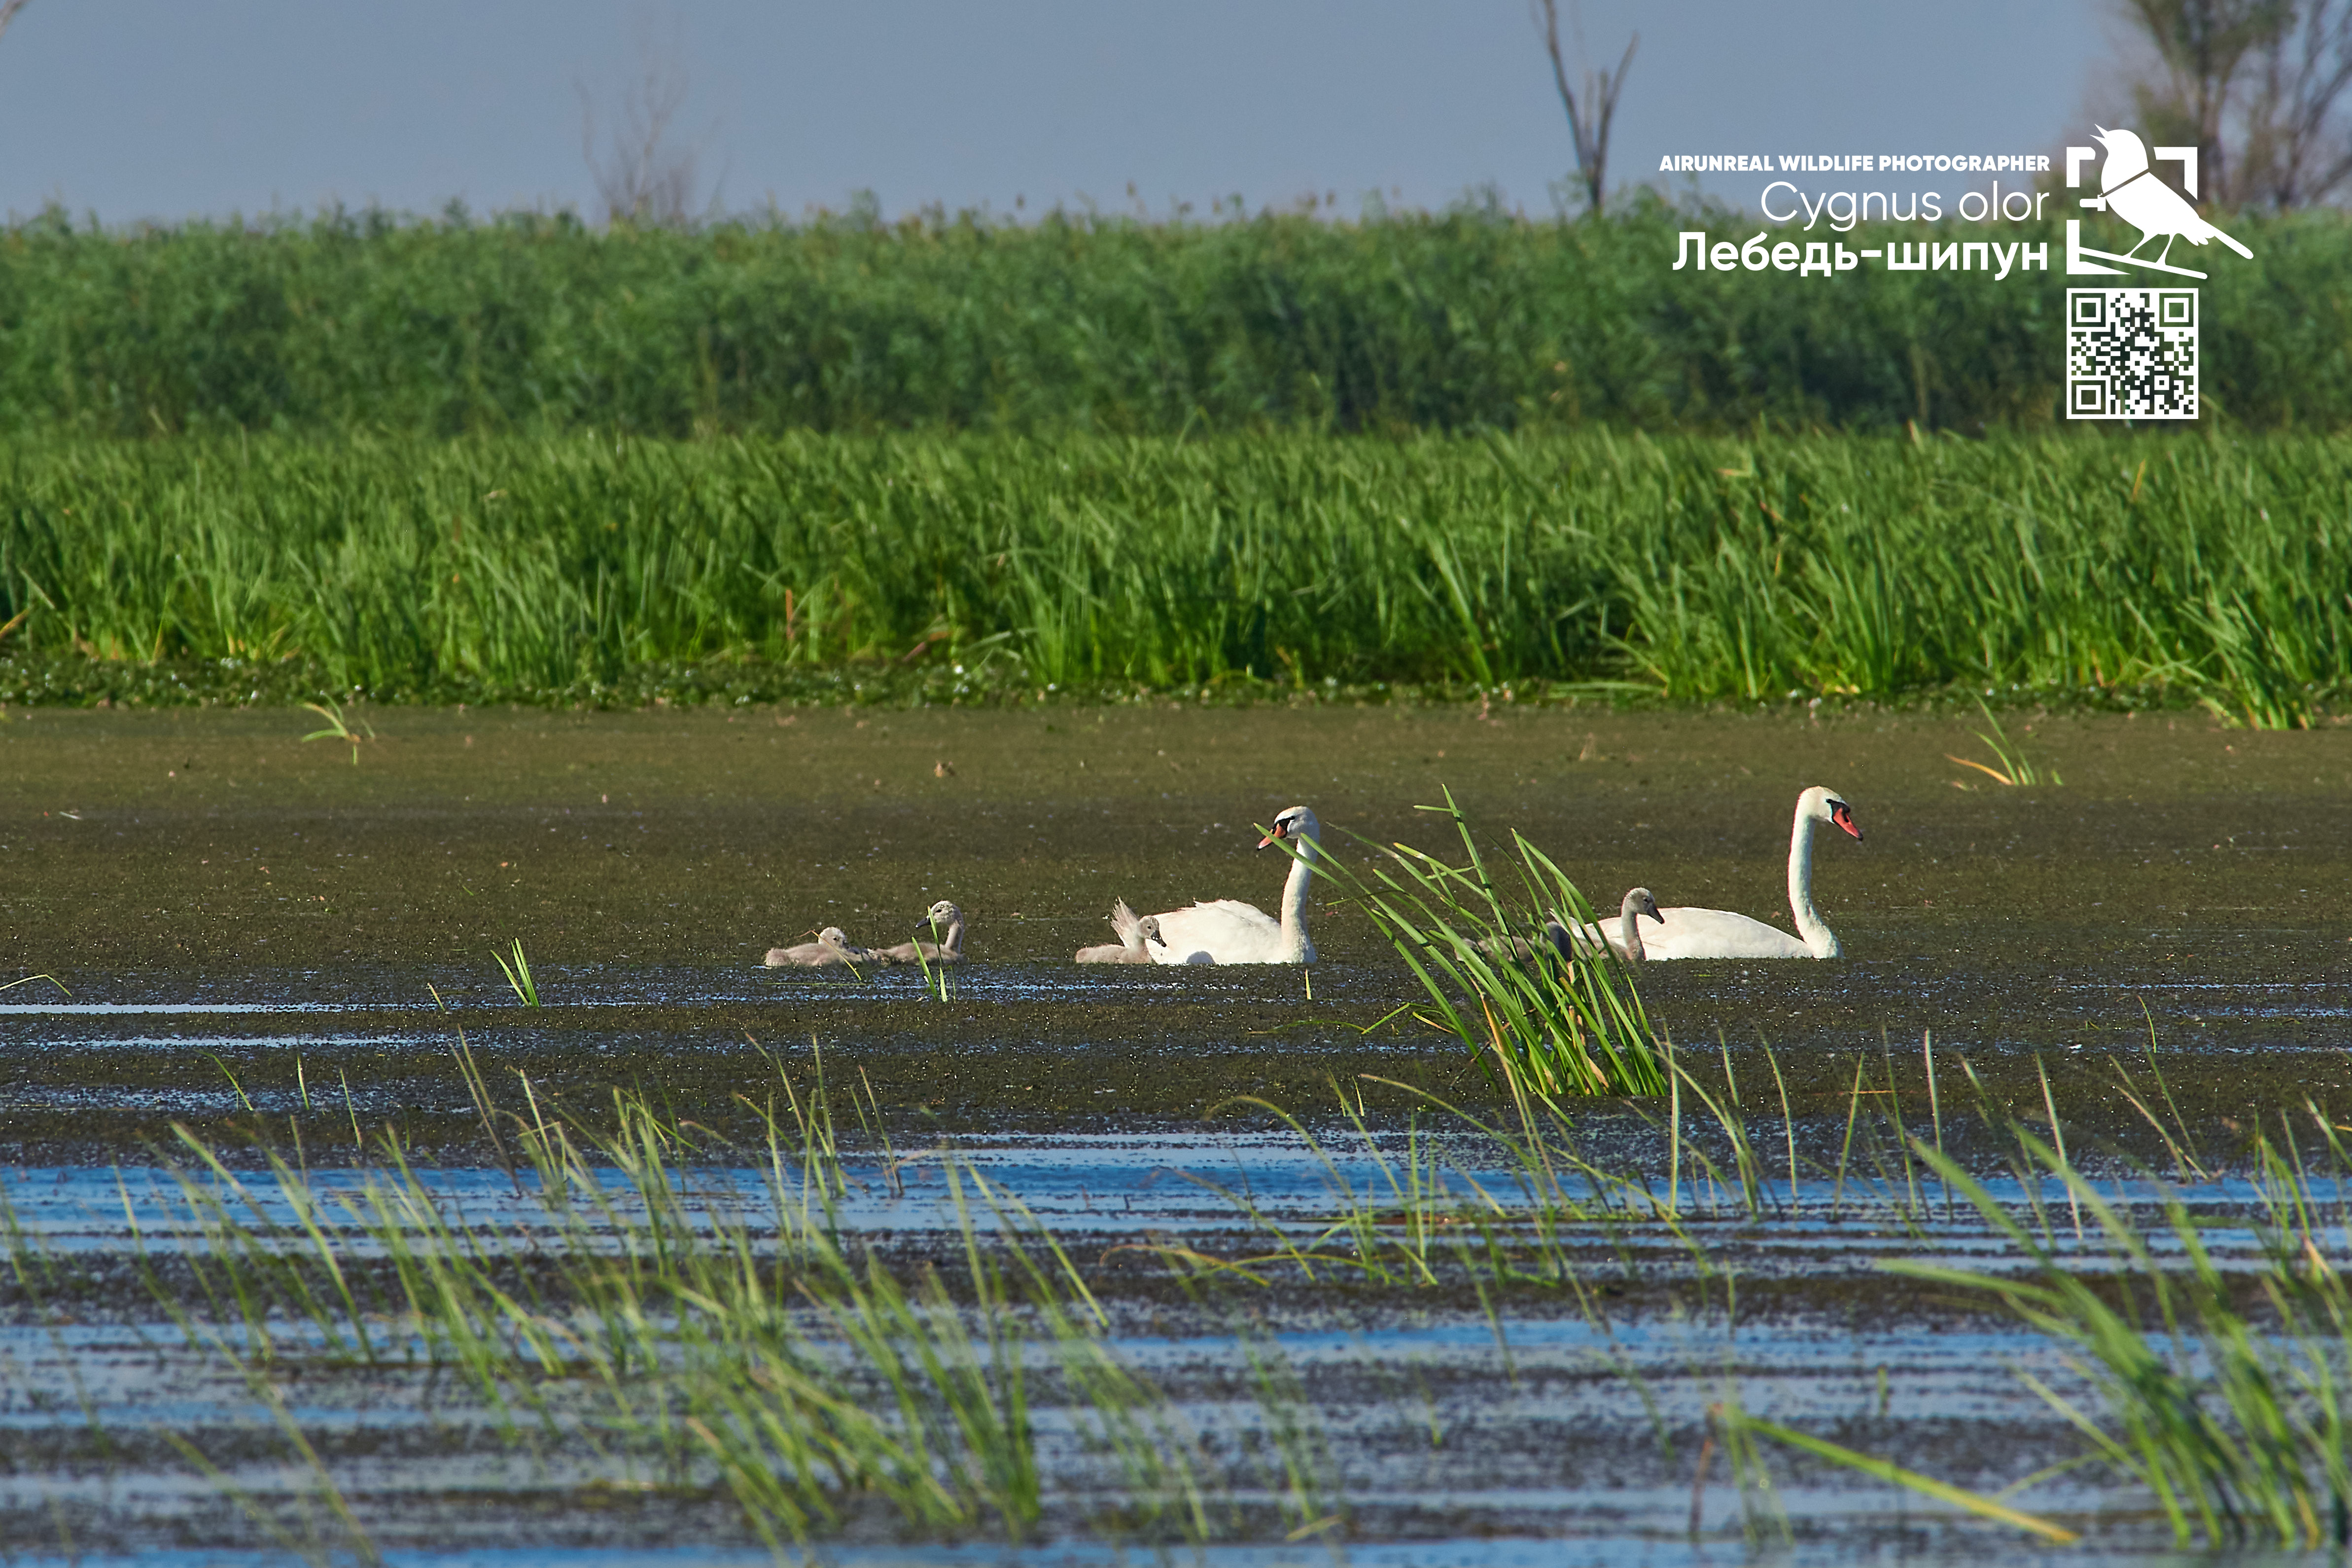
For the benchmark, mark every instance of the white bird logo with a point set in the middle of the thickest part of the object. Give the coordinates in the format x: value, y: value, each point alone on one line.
x: 2128, y: 189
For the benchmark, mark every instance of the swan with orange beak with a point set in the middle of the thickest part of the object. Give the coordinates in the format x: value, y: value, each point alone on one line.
x: 1227, y: 931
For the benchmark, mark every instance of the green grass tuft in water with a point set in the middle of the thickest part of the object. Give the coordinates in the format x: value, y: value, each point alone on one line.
x: 1558, y: 1017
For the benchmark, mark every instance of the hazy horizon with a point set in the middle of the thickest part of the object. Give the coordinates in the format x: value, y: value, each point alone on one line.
x: 273, y: 106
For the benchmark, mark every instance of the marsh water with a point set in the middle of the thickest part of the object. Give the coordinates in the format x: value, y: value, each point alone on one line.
x: 250, y: 934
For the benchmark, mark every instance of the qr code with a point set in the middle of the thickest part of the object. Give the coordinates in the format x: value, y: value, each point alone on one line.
x: 2131, y: 353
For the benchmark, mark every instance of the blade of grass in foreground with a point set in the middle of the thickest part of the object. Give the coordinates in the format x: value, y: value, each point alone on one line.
x: 1977, y: 1504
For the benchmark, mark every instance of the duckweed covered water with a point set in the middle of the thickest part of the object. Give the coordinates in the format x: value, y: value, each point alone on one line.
x: 270, y: 947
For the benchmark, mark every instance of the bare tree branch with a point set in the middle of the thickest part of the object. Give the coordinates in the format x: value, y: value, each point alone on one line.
x: 1589, y: 125
x: 2259, y: 85
x: 648, y: 175
x: 2202, y: 46
x: 2298, y: 149
x: 8, y: 9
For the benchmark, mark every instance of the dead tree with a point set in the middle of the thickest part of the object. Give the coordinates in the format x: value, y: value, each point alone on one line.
x: 2298, y: 151
x: 1589, y: 121
x: 2201, y: 46
x: 8, y: 9
x: 649, y: 171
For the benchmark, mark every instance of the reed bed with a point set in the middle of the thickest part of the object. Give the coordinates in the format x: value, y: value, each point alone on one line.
x: 695, y: 1335
x: 1561, y: 1017
x: 1079, y: 322
x: 2126, y: 570
x: 2223, y: 1392
x: 683, y: 1336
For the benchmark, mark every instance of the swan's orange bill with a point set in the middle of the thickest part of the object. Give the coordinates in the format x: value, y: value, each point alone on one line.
x: 1842, y: 815
x: 1274, y: 833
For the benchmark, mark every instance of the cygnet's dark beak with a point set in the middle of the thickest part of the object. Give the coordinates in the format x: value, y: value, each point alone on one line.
x: 1158, y: 938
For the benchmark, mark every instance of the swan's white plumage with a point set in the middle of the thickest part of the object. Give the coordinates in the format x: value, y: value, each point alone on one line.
x: 1227, y: 931
x: 1684, y: 932
x: 1688, y: 932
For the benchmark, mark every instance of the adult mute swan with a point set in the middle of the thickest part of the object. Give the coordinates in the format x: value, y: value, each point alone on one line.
x: 1687, y: 932
x: 1227, y: 931
x: 1134, y: 935
x: 832, y: 946
x: 947, y: 924
x: 1626, y: 939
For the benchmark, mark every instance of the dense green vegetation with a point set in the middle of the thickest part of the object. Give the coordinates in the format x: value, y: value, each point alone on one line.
x: 568, y: 567
x: 528, y: 324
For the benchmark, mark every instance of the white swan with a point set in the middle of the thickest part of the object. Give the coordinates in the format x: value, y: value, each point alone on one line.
x: 946, y: 924
x: 1227, y: 931
x: 1626, y: 939
x: 832, y: 946
x: 1134, y: 934
x: 1687, y: 932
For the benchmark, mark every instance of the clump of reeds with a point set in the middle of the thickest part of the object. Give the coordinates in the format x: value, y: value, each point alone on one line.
x: 341, y: 727
x: 2226, y: 1394
x: 1552, y: 1015
x: 747, y: 1338
x: 2009, y: 765
x: 2236, y: 1421
x: 517, y: 974
x: 583, y: 570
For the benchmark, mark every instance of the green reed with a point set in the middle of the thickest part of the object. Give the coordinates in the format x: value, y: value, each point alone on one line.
x: 1557, y: 1017
x: 1092, y: 321
x: 2225, y: 1392
x: 517, y: 974
x: 1696, y: 568
x: 2228, y: 1395
x: 751, y: 1339
x: 2009, y: 765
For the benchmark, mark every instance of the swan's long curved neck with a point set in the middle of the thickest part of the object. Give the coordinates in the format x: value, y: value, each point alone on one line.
x: 1629, y: 924
x: 1816, y: 934
x: 1294, y: 891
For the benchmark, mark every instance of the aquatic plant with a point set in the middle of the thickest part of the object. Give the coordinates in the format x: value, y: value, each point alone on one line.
x: 735, y: 1337
x: 1556, y: 1016
x: 2238, y: 1428
x: 28, y: 979
x: 517, y: 974
x: 649, y: 1314
x: 340, y: 728
x: 587, y: 570
x: 2012, y: 768
x: 1978, y: 1503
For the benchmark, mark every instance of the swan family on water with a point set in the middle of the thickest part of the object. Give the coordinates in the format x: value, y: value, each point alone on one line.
x: 833, y: 945
x: 1228, y: 931
x: 1686, y: 933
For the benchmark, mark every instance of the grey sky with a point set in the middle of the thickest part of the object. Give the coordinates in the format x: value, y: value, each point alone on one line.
x: 166, y: 108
